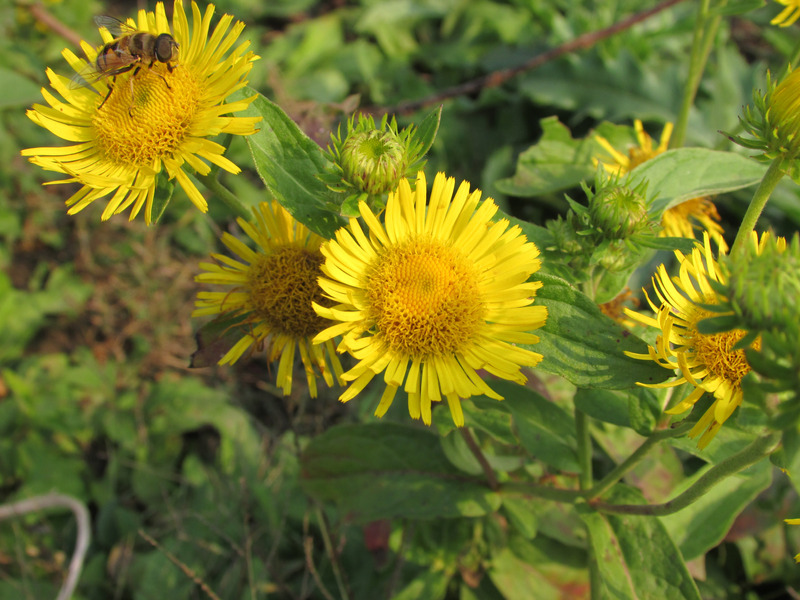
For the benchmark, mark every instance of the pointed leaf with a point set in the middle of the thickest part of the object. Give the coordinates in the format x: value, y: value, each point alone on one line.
x: 288, y: 162
x: 426, y: 132
x: 635, y: 555
x: 585, y: 346
x: 685, y: 173
x: 387, y: 470
x: 556, y: 162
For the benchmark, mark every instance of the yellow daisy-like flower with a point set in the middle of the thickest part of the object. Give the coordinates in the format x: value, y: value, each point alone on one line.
x: 680, y: 220
x: 692, y: 216
x: 432, y: 296
x: 637, y: 154
x: 706, y: 361
x: 788, y: 15
x: 273, y: 288
x: 155, y: 118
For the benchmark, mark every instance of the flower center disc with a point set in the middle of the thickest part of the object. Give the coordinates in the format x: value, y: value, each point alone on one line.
x: 714, y: 351
x: 147, y: 115
x: 283, y: 285
x: 424, y: 298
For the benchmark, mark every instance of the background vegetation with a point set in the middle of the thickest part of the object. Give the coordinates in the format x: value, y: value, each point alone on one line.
x: 192, y: 476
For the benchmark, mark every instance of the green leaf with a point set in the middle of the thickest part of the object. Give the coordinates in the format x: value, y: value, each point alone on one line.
x: 635, y: 555
x: 426, y: 132
x: 604, y: 405
x: 685, y: 173
x: 685, y: 245
x: 387, y: 470
x: 540, y: 569
x: 545, y: 430
x: 162, y: 196
x: 431, y: 586
x: 18, y: 91
x: 556, y: 162
x: 701, y: 526
x: 585, y: 346
x: 288, y: 162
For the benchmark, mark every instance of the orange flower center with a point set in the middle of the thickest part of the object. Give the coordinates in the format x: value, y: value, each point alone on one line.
x: 716, y: 353
x: 147, y: 114
x: 282, y: 286
x: 424, y: 298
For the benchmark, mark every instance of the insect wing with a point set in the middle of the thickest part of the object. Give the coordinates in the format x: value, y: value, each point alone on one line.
x: 114, y: 26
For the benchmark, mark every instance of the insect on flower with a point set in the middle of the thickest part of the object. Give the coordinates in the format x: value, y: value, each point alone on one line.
x: 130, y: 49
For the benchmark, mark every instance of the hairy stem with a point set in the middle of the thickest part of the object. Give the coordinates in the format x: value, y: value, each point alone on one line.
x: 771, y: 178
x: 228, y: 197
x: 758, y: 450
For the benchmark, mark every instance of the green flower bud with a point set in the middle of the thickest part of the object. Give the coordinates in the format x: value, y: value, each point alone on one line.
x: 373, y: 161
x: 773, y: 123
x: 619, y: 211
x: 763, y: 284
x: 369, y: 161
x: 564, y: 236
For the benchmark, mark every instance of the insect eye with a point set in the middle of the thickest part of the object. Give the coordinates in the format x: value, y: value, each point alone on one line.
x: 164, y: 47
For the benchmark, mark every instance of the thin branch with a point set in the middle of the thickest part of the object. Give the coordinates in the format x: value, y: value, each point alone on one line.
x: 50, y: 501
x: 41, y: 14
x: 181, y: 565
x: 496, y: 78
x: 491, y: 478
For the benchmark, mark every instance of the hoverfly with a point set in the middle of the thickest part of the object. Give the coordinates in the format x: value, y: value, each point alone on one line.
x: 130, y: 49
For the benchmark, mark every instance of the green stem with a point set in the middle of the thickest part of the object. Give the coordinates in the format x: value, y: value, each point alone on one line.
x: 629, y: 463
x: 764, y: 191
x: 762, y: 447
x: 473, y: 446
x: 585, y: 479
x: 705, y: 31
x: 584, y: 449
x: 228, y: 197
x: 326, y: 540
x: 546, y: 492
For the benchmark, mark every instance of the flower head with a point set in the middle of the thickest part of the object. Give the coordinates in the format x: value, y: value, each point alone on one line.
x: 636, y: 154
x: 691, y: 217
x: 273, y: 289
x: 681, y: 220
x: 709, y: 362
x: 788, y: 15
x: 436, y: 293
x: 152, y: 119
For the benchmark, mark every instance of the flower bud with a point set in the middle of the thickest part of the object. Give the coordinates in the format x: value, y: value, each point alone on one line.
x: 619, y: 211
x: 373, y: 161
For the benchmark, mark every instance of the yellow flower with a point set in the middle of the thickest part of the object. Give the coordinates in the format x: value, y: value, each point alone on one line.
x: 637, y: 154
x: 706, y: 361
x: 156, y: 118
x: 678, y: 221
x: 697, y: 214
x: 273, y: 289
x: 432, y: 296
x: 788, y: 15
